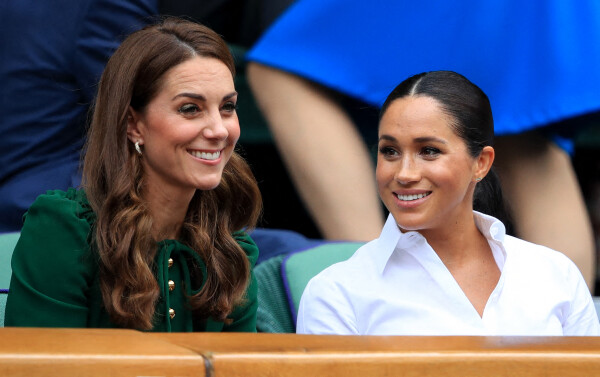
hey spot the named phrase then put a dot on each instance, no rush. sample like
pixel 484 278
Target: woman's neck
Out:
pixel 168 211
pixel 467 255
pixel 457 241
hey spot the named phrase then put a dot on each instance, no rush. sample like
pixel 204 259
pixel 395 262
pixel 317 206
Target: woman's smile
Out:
pixel 206 156
pixel 412 200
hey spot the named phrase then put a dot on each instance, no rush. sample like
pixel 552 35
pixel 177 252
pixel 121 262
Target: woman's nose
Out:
pixel 408 170
pixel 215 128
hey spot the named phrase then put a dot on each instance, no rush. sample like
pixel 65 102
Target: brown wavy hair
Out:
pixel 113 179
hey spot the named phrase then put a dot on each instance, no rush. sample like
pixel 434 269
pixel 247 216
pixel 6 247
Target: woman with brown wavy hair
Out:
pixel 155 238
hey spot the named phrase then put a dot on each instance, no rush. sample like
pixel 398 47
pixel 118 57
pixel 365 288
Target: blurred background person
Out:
pixel 53 54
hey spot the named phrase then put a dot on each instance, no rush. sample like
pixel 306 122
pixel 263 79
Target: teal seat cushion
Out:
pixel 7 245
pixel 273 314
pixel 299 267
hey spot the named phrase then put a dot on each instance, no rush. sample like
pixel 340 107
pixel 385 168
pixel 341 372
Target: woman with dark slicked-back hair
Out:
pixel 470 108
pixel 156 237
pixel 443 264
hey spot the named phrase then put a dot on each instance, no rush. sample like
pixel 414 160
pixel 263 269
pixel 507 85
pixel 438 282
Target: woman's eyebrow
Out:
pixel 199 97
pixel 387 137
pixel 430 139
pixel 230 95
pixel 423 139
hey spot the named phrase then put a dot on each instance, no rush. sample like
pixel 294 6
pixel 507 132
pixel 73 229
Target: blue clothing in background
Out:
pixel 52 54
pixel 274 242
pixel 536 60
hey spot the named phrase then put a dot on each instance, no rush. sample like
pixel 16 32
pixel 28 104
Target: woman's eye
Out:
pixel 189 109
pixel 229 107
pixel 430 151
pixel 387 151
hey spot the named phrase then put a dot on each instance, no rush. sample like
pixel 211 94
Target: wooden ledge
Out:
pixel 92 352
pixel 95 352
pixel 312 355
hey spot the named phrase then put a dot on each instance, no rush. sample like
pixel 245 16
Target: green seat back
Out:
pixel 273 313
pixel 300 267
pixel 7 245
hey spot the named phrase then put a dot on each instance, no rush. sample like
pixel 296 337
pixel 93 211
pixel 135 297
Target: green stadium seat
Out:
pixel 282 279
pixel 273 314
pixel 300 267
pixel 7 245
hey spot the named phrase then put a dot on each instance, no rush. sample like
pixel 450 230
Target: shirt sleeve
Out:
pixel 244 316
pixel 51 266
pixel 325 309
pixel 582 318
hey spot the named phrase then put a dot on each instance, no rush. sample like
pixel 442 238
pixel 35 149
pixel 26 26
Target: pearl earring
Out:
pixel 137 148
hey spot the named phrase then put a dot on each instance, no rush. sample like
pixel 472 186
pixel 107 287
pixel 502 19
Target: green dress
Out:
pixel 55 282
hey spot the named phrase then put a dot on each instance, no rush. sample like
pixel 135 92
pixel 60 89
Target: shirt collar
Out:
pixel 392 238
pixel 490 227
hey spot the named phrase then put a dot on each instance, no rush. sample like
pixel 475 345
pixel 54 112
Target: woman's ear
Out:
pixel 134 131
pixel 484 162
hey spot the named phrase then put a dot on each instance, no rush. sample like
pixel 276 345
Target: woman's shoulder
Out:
pixel 542 258
pixel 70 203
pixel 53 265
pixel 247 244
pixel 58 219
pixel 529 249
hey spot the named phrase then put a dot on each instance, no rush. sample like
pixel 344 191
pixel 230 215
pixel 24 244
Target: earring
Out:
pixel 137 147
pixel 478 179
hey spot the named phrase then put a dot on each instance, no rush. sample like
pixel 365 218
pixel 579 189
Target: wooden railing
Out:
pixel 89 352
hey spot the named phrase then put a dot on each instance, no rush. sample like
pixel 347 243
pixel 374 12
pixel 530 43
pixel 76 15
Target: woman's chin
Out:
pixel 208 183
pixel 409 223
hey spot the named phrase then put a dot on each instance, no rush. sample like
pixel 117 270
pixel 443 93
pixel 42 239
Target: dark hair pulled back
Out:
pixel 469 108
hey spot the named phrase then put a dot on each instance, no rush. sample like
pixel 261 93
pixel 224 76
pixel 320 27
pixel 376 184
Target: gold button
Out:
pixel 171 285
pixel 171 313
pixel 170 262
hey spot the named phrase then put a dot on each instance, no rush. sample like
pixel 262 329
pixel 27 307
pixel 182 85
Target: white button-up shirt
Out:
pixel 397 285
